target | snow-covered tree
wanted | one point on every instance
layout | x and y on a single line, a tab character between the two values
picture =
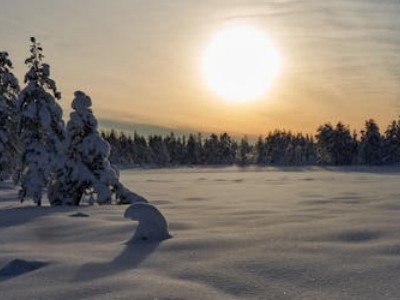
175	148
41	128
392	143
244	151
279	151
212	150
261	151
9	90
193	151
371	146
141	153
325	137
86	167
335	144
159	150
227	149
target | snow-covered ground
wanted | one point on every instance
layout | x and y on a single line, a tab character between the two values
238	234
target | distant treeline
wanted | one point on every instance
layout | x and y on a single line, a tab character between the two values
332	145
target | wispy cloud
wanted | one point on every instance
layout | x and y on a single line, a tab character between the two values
341	58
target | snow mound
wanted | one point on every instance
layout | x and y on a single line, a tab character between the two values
152	224
18	267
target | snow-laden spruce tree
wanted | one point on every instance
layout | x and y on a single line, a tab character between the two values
86	167
41	128
9	90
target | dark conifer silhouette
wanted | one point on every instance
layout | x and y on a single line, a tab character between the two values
9	143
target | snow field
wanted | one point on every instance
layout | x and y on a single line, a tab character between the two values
237	234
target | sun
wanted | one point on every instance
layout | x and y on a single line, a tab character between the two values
240	63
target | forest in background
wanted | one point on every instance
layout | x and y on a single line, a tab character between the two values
334	145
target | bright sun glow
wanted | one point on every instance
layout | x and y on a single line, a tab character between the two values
240	63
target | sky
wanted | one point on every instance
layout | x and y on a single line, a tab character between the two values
140	60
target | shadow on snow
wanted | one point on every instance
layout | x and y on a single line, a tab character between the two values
134	253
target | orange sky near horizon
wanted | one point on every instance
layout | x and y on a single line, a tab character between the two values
140	61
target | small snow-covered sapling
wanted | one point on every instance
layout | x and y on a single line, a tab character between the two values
125	196
152	225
